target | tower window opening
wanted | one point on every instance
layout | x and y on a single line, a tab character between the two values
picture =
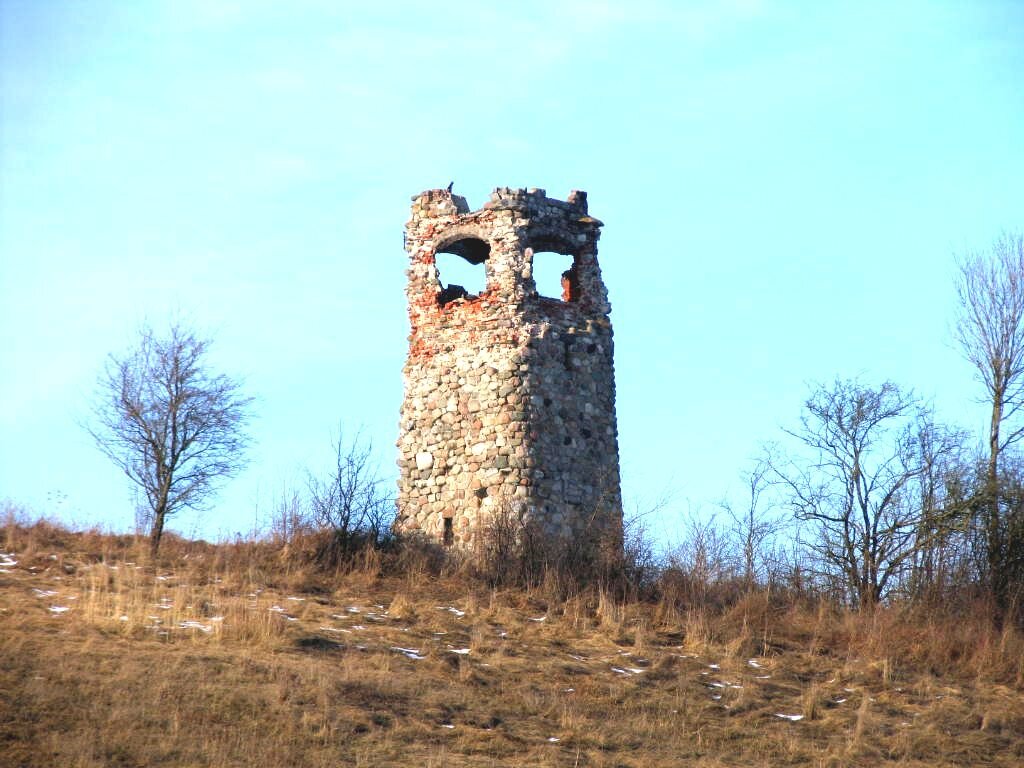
449	533
555	275
461	269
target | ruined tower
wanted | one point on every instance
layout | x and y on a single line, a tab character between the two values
509	395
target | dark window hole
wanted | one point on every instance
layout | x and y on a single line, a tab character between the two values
461	269
449	533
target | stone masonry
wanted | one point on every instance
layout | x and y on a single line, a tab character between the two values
509	395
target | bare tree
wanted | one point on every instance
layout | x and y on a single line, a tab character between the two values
853	482
348	502
174	428
753	524
990	331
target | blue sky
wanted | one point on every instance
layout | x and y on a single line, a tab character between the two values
783	185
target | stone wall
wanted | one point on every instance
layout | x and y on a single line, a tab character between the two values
509	395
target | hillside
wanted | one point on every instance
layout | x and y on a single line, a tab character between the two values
230	655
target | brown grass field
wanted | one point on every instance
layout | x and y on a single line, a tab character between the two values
229	655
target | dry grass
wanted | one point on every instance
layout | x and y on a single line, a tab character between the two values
231	655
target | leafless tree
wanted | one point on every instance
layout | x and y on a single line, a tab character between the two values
853	482
753	523
940	547
990	332
175	428
348	502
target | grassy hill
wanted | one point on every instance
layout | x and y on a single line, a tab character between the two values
233	655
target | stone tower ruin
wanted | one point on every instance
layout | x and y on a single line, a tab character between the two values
509	395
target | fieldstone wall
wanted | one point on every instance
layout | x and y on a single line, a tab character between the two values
509	395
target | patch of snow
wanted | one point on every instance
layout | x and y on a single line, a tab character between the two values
447	725
44	592
353	609
190	624
411	653
628	670
792	718
713	666
554	739
578	658
570	690
297	599
123	618
460	651
58	609
358	626
754	664
452	609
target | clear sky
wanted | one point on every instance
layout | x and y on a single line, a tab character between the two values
783	185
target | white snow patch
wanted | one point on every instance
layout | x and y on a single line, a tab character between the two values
452	609
460	651
191	624
793	718
44	592
540	618
411	653
554	739
58	609
754	663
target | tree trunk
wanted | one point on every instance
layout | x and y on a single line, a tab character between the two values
992	539
157	530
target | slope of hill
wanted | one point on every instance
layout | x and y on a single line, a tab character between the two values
229	656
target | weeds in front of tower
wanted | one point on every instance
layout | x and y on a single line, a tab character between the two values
515	548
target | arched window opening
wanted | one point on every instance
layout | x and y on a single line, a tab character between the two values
461	269
555	275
